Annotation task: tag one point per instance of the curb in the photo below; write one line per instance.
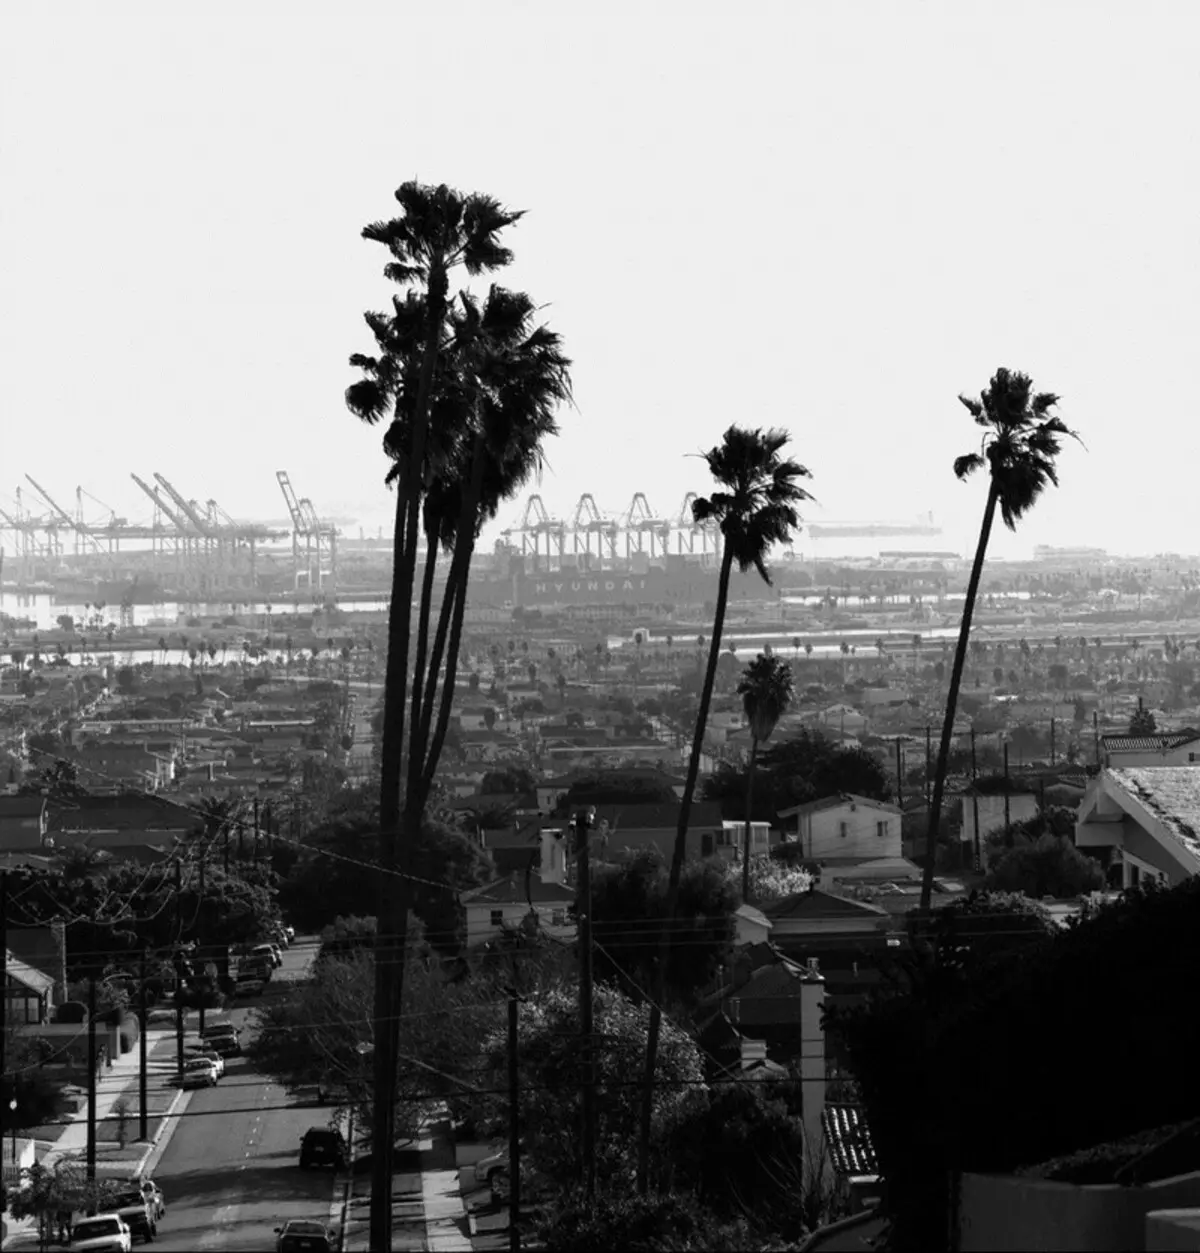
(162, 1137)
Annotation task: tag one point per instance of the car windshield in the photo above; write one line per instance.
(302, 1227)
(320, 1136)
(199, 1063)
(93, 1228)
(129, 1198)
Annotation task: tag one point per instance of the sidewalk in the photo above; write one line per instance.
(427, 1205)
(164, 1099)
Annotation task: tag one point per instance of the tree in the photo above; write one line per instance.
(755, 508)
(491, 382)
(551, 1056)
(1143, 722)
(766, 692)
(1021, 440)
(630, 900)
(508, 781)
(1051, 866)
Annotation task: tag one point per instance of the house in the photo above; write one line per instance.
(43, 950)
(843, 718)
(1170, 748)
(123, 764)
(478, 718)
(845, 827)
(1148, 818)
(995, 811)
(806, 917)
(623, 829)
(130, 826)
(514, 849)
(22, 823)
(512, 900)
(28, 994)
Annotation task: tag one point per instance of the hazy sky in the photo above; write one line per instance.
(829, 217)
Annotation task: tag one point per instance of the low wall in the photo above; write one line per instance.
(1003, 1212)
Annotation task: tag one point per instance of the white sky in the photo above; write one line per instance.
(830, 217)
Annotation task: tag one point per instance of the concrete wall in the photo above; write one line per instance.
(1002, 1212)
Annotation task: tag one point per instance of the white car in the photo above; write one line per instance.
(103, 1233)
(205, 1051)
(200, 1073)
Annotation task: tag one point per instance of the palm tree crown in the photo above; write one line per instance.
(1022, 438)
(766, 692)
(757, 509)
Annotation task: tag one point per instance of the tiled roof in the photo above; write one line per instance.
(1149, 743)
(1172, 794)
(656, 817)
(849, 1141)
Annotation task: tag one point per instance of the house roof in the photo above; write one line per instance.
(1171, 794)
(124, 809)
(817, 904)
(834, 802)
(879, 868)
(656, 817)
(28, 976)
(849, 1141)
(750, 914)
(1150, 743)
(511, 890)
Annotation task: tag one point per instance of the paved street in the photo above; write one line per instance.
(230, 1172)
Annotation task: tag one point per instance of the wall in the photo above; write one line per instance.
(1124, 758)
(1002, 1212)
(480, 928)
(821, 836)
(1021, 806)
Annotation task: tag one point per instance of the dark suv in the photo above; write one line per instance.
(323, 1146)
(224, 1038)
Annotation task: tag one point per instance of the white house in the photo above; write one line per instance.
(843, 718)
(845, 827)
(1169, 748)
(1149, 817)
(1021, 806)
(509, 902)
(732, 839)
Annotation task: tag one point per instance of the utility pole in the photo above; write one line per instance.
(899, 776)
(1052, 741)
(582, 822)
(143, 1128)
(203, 963)
(178, 955)
(225, 850)
(975, 801)
(4, 1002)
(1006, 817)
(91, 1081)
(1096, 734)
(255, 853)
(928, 758)
(514, 1127)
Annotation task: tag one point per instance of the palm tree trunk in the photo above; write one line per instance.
(438, 739)
(395, 890)
(677, 858)
(749, 815)
(419, 677)
(960, 657)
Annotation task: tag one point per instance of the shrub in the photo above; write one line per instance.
(640, 1225)
(71, 1011)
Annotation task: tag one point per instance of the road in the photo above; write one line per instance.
(230, 1172)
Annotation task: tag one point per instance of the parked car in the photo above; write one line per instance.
(323, 1146)
(135, 1212)
(299, 1235)
(224, 1037)
(104, 1233)
(206, 1050)
(199, 1073)
(154, 1197)
(268, 951)
(249, 986)
(493, 1164)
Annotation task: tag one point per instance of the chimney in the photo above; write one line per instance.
(812, 1057)
(553, 865)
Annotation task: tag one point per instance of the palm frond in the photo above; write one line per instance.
(964, 467)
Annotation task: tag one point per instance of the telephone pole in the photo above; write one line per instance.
(583, 822)
(899, 776)
(928, 758)
(179, 967)
(1006, 813)
(4, 1000)
(91, 1081)
(143, 1127)
(975, 801)
(203, 963)
(514, 1127)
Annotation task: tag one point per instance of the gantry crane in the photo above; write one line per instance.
(587, 524)
(688, 530)
(536, 523)
(183, 540)
(644, 533)
(311, 538)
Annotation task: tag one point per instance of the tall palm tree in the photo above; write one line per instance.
(755, 508)
(1022, 438)
(766, 692)
(458, 423)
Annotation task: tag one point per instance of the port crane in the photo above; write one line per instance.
(535, 525)
(587, 524)
(645, 534)
(314, 542)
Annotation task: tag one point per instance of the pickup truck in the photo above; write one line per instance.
(134, 1209)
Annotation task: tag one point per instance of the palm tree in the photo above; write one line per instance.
(430, 363)
(1021, 440)
(755, 509)
(766, 692)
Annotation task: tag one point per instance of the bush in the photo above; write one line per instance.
(641, 1225)
(71, 1011)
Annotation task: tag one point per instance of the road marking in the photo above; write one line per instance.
(224, 1216)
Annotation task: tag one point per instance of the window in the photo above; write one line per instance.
(843, 829)
(881, 829)
(559, 917)
(497, 917)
